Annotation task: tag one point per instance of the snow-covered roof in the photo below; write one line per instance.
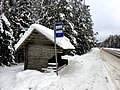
(62, 42)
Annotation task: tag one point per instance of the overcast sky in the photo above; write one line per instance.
(105, 16)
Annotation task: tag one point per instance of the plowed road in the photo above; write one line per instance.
(112, 65)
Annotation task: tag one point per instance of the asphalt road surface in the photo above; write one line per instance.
(112, 66)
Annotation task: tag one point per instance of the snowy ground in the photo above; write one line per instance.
(84, 72)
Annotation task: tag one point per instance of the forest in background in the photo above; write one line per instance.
(16, 16)
(113, 41)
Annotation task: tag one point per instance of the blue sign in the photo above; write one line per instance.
(58, 28)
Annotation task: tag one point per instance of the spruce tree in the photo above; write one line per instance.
(18, 13)
(77, 22)
(6, 42)
(73, 14)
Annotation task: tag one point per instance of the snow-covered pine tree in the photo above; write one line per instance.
(6, 41)
(76, 19)
(75, 16)
(83, 26)
(58, 11)
(18, 13)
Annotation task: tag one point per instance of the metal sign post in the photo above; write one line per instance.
(58, 32)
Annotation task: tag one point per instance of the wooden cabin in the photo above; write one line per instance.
(37, 48)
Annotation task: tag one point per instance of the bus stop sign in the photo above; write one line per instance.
(58, 28)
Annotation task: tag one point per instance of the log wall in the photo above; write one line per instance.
(37, 51)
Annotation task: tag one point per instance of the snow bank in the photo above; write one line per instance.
(16, 79)
(32, 80)
(62, 42)
(116, 49)
(82, 73)
(7, 76)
